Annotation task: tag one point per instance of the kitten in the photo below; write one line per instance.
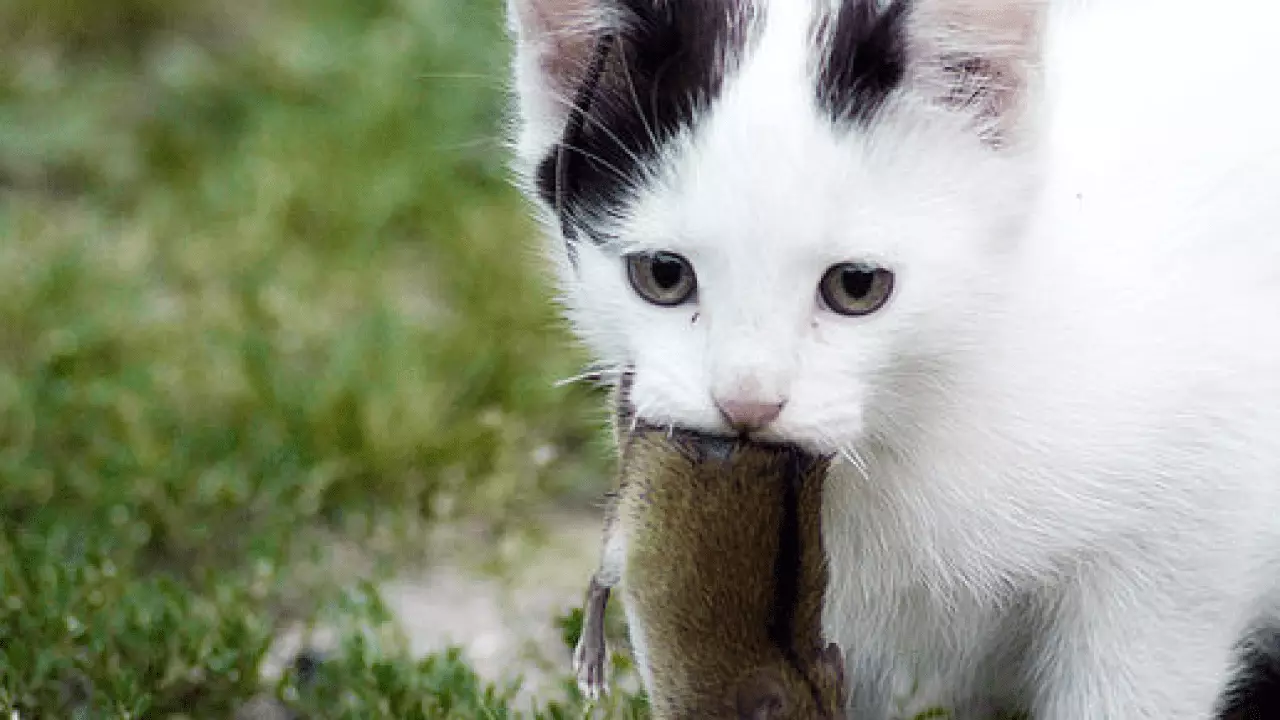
(1014, 261)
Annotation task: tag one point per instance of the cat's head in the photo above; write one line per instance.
(778, 212)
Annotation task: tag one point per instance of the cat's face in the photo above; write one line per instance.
(776, 214)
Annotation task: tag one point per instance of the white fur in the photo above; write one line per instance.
(1063, 431)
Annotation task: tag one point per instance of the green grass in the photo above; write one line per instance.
(264, 281)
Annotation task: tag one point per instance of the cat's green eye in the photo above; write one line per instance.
(661, 278)
(855, 289)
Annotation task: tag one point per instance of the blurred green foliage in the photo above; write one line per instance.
(262, 273)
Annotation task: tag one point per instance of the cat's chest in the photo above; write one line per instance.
(925, 628)
(951, 529)
(934, 576)
(913, 648)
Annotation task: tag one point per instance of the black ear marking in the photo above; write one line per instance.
(654, 72)
(556, 176)
(864, 58)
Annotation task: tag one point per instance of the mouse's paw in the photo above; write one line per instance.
(591, 666)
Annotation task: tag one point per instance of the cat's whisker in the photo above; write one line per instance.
(849, 453)
(617, 172)
(572, 106)
(593, 373)
(494, 82)
(854, 458)
(635, 99)
(572, 216)
(490, 141)
(654, 410)
(638, 410)
(861, 463)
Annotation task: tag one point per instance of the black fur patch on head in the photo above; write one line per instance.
(864, 58)
(664, 65)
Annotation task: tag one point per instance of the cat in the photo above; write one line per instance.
(1013, 261)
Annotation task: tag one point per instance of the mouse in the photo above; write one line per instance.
(714, 546)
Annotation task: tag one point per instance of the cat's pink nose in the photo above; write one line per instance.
(747, 415)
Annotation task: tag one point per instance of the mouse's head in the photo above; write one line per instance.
(779, 692)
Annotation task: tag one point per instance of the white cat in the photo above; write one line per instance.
(1017, 263)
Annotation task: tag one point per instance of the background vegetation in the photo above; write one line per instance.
(263, 283)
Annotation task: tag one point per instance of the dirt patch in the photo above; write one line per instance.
(496, 601)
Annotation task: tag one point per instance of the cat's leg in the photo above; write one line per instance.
(1136, 645)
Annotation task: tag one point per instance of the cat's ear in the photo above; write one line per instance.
(980, 57)
(554, 45)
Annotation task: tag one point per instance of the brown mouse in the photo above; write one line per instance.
(715, 546)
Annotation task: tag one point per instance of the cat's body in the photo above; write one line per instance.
(1061, 419)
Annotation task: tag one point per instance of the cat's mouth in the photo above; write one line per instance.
(712, 430)
(721, 445)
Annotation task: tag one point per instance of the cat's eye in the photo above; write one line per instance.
(662, 278)
(855, 289)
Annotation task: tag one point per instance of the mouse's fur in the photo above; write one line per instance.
(724, 569)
